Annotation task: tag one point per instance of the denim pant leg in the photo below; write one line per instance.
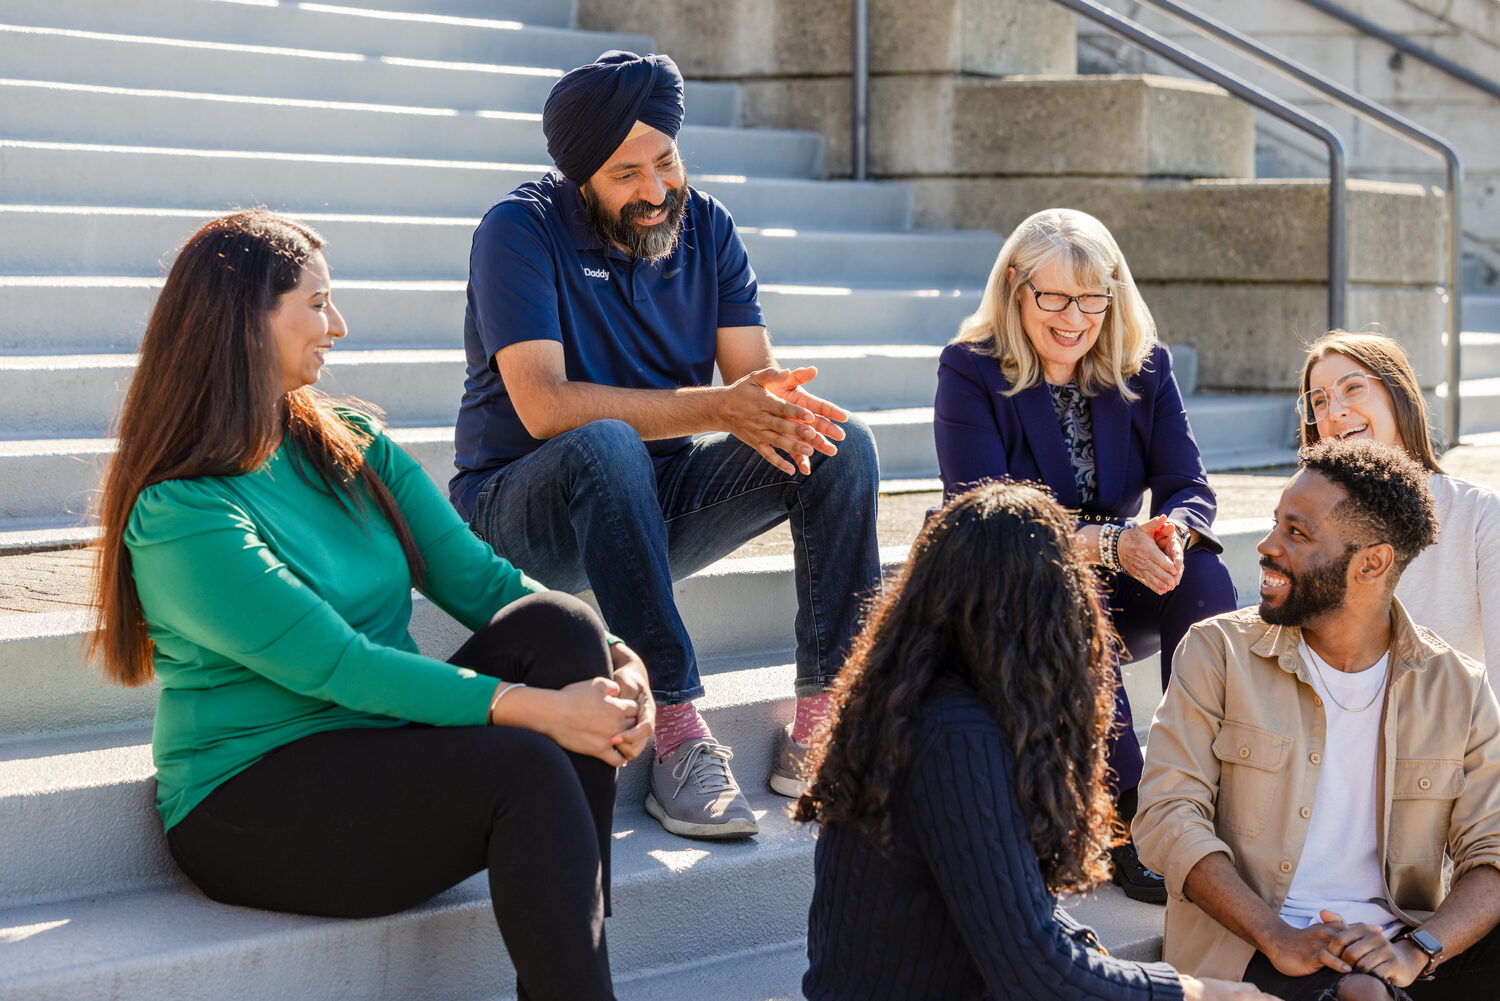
(582, 511)
(1149, 622)
(718, 492)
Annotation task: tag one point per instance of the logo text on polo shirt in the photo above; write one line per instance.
(596, 273)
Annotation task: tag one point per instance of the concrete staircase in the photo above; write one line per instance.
(123, 125)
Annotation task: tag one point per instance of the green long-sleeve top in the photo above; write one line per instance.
(277, 613)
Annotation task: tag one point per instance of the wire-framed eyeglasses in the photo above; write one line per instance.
(1056, 302)
(1352, 389)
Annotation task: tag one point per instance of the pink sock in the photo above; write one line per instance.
(675, 724)
(812, 710)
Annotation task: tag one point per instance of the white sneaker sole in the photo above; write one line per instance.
(786, 785)
(734, 828)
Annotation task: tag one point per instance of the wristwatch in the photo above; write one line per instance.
(1183, 533)
(1429, 945)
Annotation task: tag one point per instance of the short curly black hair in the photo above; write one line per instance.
(1387, 499)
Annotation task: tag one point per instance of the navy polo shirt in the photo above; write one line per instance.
(538, 272)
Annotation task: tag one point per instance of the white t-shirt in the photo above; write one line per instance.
(1340, 867)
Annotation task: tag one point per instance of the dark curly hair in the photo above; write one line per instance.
(993, 595)
(1387, 499)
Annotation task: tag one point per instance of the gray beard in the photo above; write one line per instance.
(650, 244)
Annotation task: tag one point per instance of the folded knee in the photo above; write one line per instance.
(566, 634)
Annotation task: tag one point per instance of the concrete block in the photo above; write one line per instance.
(1232, 230)
(1134, 126)
(933, 124)
(1251, 336)
(772, 38)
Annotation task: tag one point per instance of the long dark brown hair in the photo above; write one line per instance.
(993, 595)
(207, 400)
(1383, 356)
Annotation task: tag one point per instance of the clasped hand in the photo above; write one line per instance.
(1346, 948)
(610, 719)
(1151, 553)
(770, 411)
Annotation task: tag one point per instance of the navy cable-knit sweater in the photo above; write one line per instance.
(958, 910)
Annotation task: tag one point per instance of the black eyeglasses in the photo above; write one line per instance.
(1056, 302)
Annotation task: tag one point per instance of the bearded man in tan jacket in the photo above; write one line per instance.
(1316, 758)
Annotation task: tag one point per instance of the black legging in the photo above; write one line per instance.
(365, 822)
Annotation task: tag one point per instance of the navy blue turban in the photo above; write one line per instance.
(592, 109)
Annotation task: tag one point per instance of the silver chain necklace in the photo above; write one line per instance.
(1318, 666)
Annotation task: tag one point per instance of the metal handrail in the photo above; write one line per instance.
(1338, 253)
(1404, 44)
(859, 151)
(1400, 127)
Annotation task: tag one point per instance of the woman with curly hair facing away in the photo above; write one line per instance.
(259, 546)
(960, 781)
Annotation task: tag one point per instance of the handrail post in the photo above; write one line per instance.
(1338, 242)
(859, 152)
(1455, 297)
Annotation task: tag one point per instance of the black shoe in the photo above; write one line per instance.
(1138, 882)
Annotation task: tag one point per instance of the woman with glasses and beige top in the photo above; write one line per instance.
(1361, 385)
(1058, 378)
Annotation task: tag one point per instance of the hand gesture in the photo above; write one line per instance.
(1371, 952)
(770, 411)
(630, 675)
(1151, 554)
(587, 716)
(1299, 952)
(1194, 989)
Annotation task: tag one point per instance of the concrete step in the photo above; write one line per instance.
(63, 112)
(56, 477)
(78, 395)
(45, 240)
(115, 59)
(49, 478)
(195, 19)
(168, 943)
(1480, 405)
(1482, 313)
(1481, 355)
(92, 314)
(535, 33)
(47, 173)
(738, 612)
(66, 782)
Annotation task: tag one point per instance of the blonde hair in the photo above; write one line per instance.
(1382, 356)
(1127, 332)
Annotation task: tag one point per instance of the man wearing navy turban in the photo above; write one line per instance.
(593, 449)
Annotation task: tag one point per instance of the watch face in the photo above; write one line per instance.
(1426, 942)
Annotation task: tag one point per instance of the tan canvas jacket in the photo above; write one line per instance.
(1232, 763)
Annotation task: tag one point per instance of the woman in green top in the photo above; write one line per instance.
(259, 548)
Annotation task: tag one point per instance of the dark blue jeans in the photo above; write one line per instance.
(590, 508)
(1149, 622)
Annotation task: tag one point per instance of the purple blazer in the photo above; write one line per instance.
(1140, 446)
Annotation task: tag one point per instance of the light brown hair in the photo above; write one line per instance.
(1382, 356)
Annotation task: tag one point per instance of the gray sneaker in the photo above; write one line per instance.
(694, 795)
(791, 765)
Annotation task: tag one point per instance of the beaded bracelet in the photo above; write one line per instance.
(1109, 547)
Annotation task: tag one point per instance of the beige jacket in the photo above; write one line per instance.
(1232, 764)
